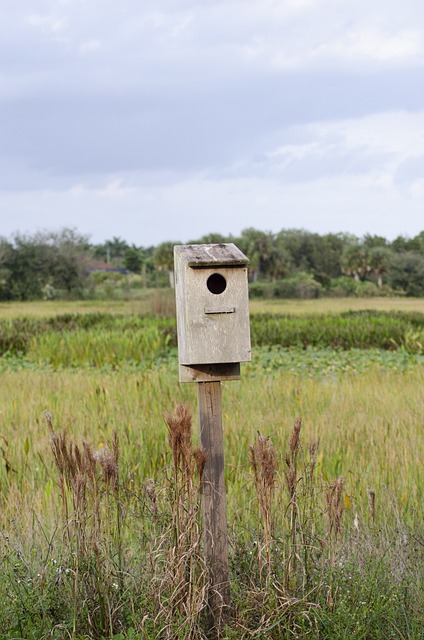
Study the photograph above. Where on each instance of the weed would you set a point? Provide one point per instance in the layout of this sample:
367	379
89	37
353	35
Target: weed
100	540
264	459
91	524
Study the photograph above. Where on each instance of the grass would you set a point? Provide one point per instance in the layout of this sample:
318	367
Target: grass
162	301
158	301
351	329
326	526
367	429
101	339
336	305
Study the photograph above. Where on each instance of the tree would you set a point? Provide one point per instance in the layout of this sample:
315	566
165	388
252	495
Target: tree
372	242
355	261
407	273
212	238
163	259
44	259
379	261
30	265
258	246
6	251
298	243
280	263
133	259
419	240
69	248
116	249
112	251
402	243
325	254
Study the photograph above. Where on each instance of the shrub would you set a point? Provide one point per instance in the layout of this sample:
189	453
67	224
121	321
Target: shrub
345	286
301	286
407	273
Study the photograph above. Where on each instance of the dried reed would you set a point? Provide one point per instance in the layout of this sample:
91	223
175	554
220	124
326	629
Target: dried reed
186	581
292	480
89	488
371	504
335	507
264	461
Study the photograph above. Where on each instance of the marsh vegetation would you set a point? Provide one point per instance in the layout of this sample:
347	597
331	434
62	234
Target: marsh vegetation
101	530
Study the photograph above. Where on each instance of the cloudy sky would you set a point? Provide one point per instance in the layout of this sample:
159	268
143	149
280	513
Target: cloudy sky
169	119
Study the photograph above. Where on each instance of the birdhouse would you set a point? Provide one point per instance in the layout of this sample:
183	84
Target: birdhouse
212	307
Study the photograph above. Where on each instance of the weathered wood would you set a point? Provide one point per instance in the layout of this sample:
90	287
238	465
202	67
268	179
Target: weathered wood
210	372
214	502
206	255
212	304
213	338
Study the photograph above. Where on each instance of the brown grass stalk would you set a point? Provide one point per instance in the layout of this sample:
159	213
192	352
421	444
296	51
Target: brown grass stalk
335	507
292	480
371	504
89	488
264	461
186	577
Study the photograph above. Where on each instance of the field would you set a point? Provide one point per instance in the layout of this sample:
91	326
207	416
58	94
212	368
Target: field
163	301
100	519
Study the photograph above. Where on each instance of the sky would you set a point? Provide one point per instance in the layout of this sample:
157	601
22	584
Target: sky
172	119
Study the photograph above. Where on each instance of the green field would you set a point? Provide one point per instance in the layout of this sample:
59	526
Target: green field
163	300
337	305
332	548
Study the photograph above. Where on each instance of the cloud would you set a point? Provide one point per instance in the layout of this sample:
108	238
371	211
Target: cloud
399	46
417	190
249	106
383	147
89	46
191	207
47	23
114	189
353	49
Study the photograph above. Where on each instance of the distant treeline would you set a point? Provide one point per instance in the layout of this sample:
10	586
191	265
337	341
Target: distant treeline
292	263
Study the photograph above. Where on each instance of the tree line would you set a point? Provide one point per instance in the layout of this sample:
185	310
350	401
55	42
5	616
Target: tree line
290	263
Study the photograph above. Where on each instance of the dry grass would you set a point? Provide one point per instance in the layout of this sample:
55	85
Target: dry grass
369	426
161	301
264	462
336	305
123	523
127	519
91	526
186	576
158	301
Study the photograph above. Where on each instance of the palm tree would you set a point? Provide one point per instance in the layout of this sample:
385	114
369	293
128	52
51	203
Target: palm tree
379	259
355	261
258	247
163	259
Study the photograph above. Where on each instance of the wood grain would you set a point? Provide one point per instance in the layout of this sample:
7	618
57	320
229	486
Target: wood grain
214	502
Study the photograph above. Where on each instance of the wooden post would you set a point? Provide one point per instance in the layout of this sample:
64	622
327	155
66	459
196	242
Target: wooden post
213	338
214	502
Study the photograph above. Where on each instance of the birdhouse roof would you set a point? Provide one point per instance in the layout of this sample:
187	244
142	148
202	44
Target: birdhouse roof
207	255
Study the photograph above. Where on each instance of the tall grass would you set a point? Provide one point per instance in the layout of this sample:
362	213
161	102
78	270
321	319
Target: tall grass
100	348
368	425
99	339
92	521
162	302
325	306
100	530
360	329
103	552
148	301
